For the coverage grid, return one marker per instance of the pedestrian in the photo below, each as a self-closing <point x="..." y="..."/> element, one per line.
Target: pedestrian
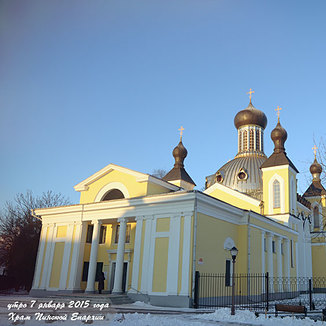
<point x="101" y="279"/>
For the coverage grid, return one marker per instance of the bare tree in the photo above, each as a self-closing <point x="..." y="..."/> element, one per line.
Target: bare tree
<point x="20" y="232"/>
<point x="159" y="173"/>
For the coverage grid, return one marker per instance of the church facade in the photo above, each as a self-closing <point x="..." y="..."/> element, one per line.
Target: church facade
<point x="150" y="235"/>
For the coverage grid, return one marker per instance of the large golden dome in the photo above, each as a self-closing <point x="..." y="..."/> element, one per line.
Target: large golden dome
<point x="250" y="116"/>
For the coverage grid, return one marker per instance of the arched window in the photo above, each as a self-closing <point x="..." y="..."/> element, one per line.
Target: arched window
<point x="257" y="141"/>
<point x="245" y="140"/>
<point x="276" y="194"/>
<point x="251" y="139"/>
<point x="316" y="217"/>
<point x="113" y="194"/>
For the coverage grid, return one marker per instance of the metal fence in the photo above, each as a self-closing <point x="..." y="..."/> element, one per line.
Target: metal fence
<point x="258" y="292"/>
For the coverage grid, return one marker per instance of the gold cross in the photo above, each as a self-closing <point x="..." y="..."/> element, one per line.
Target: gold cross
<point x="278" y="113"/>
<point x="181" y="132"/>
<point x="250" y="92"/>
<point x="315" y="150"/>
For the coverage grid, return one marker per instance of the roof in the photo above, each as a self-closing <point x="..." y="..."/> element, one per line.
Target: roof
<point x="140" y="177"/>
<point x="277" y="159"/>
<point x="315" y="189"/>
<point x="303" y="201"/>
<point x="178" y="174"/>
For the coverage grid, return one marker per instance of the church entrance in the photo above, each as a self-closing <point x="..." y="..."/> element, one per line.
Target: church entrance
<point x="124" y="276"/>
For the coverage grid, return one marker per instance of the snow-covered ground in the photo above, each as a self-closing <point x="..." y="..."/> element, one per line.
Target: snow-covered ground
<point x="219" y="317"/>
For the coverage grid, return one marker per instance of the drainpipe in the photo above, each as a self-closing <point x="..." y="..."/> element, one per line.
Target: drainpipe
<point x="194" y="247"/>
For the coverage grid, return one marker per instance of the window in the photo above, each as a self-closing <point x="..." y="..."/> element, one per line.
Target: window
<point x="245" y="140"/>
<point x="265" y="247"/>
<point x="257" y="140"/>
<point x="251" y="139"/>
<point x="276" y="194"/>
<point x="102" y="234"/>
<point x="282" y="249"/>
<point x="316" y="217"/>
<point x="273" y="247"/>
<point x="228" y="272"/>
<point x="113" y="194"/>
<point x="116" y="239"/>
<point x="89" y="235"/>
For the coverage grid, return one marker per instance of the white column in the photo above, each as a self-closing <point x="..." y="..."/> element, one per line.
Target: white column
<point x="137" y="248"/>
<point x="173" y="255"/>
<point x="185" y="281"/>
<point x="77" y="257"/>
<point x="66" y="257"/>
<point x="48" y="262"/>
<point x="147" y="269"/>
<point x="287" y="263"/>
<point x="40" y="254"/>
<point x="255" y="143"/>
<point x="269" y="240"/>
<point x="117" y="286"/>
<point x="279" y="262"/>
<point x="93" y="258"/>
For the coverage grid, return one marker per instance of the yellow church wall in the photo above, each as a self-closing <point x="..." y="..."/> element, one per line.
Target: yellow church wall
<point x="211" y="234"/>
<point x="160" y="264"/>
<point x="61" y="231"/>
<point x="319" y="261"/>
<point x="163" y="224"/>
<point x="285" y="174"/>
<point x="242" y="245"/>
<point x="57" y="264"/>
<point x="236" y="201"/>
<point x="135" y="188"/>
<point x="154" y="189"/>
<point x="255" y="250"/>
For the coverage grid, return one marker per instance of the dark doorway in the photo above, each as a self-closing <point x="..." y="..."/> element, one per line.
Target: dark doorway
<point x="124" y="277"/>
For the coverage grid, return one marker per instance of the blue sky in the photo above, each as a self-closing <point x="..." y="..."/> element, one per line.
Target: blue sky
<point x="88" y="83"/>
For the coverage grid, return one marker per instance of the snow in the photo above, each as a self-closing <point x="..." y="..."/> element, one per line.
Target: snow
<point x="219" y="317"/>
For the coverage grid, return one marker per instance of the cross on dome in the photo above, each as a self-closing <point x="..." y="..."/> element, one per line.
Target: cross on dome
<point x="315" y="150"/>
<point x="181" y="132"/>
<point x="278" y="113"/>
<point x="250" y="92"/>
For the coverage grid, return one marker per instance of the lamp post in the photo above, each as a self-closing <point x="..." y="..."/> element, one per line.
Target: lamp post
<point x="234" y="252"/>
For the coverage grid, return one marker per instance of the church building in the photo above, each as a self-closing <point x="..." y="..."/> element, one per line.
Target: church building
<point x="150" y="235"/>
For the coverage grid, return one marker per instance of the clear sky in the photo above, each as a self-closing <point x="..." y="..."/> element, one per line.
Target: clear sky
<point x="88" y="83"/>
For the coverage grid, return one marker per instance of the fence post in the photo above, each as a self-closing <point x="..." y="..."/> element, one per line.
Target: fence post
<point x="196" y="294"/>
<point x="310" y="295"/>
<point x="267" y="290"/>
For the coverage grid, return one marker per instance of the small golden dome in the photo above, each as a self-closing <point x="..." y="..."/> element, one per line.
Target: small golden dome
<point x="279" y="137"/>
<point x="316" y="168"/>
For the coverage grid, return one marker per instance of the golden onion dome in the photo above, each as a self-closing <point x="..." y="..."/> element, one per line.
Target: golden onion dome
<point x="250" y="116"/>
<point x="316" y="167"/>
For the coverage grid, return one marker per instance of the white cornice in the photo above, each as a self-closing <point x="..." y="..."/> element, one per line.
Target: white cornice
<point x="280" y="167"/>
<point x="140" y="177"/>
<point x="232" y="192"/>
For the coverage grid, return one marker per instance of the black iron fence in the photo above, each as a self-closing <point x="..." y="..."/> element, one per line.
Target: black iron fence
<point x="258" y="292"/>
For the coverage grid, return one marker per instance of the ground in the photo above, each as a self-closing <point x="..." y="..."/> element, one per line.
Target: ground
<point x="23" y="309"/>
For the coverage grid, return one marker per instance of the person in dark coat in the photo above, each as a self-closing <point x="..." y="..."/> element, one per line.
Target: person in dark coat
<point x="101" y="279"/>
